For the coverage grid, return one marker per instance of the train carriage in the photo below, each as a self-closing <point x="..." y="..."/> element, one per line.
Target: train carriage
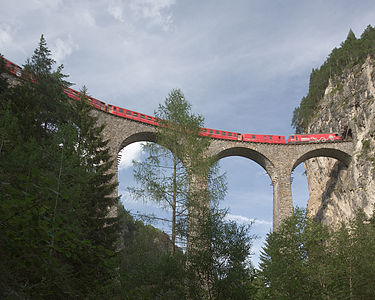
<point x="220" y="134"/>
<point x="264" y="138"/>
<point x="314" y="138"/>
<point x="16" y="70"/>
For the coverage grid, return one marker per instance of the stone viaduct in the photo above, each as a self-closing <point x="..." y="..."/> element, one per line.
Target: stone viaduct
<point x="278" y="160"/>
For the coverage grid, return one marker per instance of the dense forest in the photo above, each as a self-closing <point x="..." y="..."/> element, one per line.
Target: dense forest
<point x="352" y="51"/>
<point x="58" y="239"/>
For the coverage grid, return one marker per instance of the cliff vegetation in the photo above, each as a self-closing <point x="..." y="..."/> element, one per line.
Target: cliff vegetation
<point x="352" y="51"/>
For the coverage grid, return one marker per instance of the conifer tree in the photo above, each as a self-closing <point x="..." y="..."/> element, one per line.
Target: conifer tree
<point x="351" y="52"/>
<point x="56" y="239"/>
<point x="283" y="260"/>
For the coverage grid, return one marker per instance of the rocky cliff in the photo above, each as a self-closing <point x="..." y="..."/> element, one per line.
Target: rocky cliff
<point x="348" y="107"/>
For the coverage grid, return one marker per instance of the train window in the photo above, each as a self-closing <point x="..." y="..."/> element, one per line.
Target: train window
<point x="211" y="131"/>
<point x="279" y="137"/>
<point x="142" y="116"/>
<point x="222" y="133"/>
<point x="121" y="110"/>
<point x="217" y="132"/>
<point x="270" y="137"/>
<point x="229" y="134"/>
<point x="253" y="136"/>
<point x="149" y="118"/>
<point x="265" y="137"/>
<point x="128" y="112"/>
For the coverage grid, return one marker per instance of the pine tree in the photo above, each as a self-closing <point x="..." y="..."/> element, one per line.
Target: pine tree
<point x="56" y="238"/>
<point x="219" y="263"/>
<point x="351" y="52"/>
<point x="283" y="265"/>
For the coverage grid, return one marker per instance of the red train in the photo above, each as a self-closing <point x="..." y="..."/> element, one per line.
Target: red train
<point x="16" y="70"/>
<point x="313" y="138"/>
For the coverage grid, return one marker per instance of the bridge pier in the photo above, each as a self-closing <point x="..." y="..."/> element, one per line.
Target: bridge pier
<point x="282" y="198"/>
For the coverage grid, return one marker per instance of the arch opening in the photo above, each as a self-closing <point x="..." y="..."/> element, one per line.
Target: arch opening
<point x="321" y="177"/>
<point x="299" y="187"/>
<point x="251" y="154"/>
<point x="144" y="208"/>
<point x="341" y="156"/>
<point x="249" y="197"/>
<point x="146" y="136"/>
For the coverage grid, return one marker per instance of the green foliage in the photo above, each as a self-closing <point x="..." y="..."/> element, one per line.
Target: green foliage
<point x="352" y="51"/>
<point x="55" y="238"/>
<point x="176" y="156"/>
<point x="284" y="258"/>
<point x="176" y="173"/>
<point x="147" y="269"/>
<point x="219" y="260"/>
<point x="304" y="259"/>
<point x="339" y="88"/>
<point x="365" y="146"/>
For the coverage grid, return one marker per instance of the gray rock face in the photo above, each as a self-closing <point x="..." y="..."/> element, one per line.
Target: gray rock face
<point x="348" y="106"/>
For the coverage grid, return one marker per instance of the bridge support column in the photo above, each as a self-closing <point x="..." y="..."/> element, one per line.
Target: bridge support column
<point x="282" y="198"/>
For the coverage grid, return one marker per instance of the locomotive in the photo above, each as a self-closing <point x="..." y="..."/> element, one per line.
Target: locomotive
<point x="16" y="70"/>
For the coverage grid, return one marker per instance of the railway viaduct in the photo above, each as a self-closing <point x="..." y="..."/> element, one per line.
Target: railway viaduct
<point x="278" y="160"/>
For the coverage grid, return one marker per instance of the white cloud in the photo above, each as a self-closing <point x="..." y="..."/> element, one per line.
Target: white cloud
<point x="63" y="48"/>
<point x="128" y="154"/>
<point x="154" y="10"/>
<point x="245" y="220"/>
<point x="5" y="36"/>
<point x="116" y="10"/>
<point x="47" y="4"/>
<point x="87" y="18"/>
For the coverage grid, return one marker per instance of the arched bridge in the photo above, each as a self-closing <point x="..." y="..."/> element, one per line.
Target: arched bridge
<point x="278" y="160"/>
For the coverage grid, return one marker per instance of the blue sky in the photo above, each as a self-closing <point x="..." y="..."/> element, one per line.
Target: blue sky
<point x="243" y="65"/>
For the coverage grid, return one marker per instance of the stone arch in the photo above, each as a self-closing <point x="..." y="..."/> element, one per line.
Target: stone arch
<point x="251" y="154"/>
<point x="145" y="136"/>
<point x="324" y="152"/>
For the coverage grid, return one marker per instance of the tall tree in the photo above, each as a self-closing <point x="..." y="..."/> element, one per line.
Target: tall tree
<point x="55" y="238"/>
<point x="219" y="264"/>
<point x="284" y="260"/>
<point x="164" y="175"/>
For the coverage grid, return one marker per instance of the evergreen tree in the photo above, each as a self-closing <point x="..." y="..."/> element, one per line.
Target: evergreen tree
<point x="56" y="239"/>
<point x="148" y="271"/>
<point x="306" y="259"/>
<point x="352" y="259"/>
<point x="221" y="268"/>
<point x="283" y="265"/>
<point x="351" y="52"/>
